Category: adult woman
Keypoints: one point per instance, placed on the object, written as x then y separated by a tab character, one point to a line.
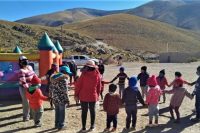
25	75
87	90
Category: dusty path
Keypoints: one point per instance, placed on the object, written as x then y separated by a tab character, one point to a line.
11	117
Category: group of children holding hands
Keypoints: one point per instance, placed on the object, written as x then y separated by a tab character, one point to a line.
151	86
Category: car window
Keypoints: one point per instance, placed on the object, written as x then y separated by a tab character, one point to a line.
82	57
76	57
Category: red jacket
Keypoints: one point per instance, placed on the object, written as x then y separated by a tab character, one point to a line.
153	95
162	82
88	86
112	103
36	99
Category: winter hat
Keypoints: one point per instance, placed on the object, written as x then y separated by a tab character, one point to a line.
90	63
65	69
152	81
162	71
35	80
121	68
133	81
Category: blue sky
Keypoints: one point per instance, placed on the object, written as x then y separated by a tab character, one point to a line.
12	10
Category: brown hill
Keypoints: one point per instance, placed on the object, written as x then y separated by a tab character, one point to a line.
63	17
132	32
27	36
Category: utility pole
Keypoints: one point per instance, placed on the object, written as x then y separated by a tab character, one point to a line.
167	47
61	34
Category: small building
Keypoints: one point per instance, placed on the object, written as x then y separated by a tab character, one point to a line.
178	57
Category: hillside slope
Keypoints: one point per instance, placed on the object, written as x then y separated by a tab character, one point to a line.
63	17
180	13
132	32
27	36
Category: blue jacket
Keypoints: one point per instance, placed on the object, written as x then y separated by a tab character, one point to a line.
197	89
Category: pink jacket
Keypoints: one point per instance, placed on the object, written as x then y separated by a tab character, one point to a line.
153	95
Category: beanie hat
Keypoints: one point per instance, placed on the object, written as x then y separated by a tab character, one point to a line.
65	69
35	80
163	71
152	81
133	81
121	68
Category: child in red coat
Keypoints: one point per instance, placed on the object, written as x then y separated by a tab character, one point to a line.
111	105
36	98
152	100
162	82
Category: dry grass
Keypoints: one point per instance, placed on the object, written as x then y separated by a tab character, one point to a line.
131	32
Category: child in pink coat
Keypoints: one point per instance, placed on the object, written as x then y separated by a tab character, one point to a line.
152	100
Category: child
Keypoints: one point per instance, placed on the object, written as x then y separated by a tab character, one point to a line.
122	77
196	93
152	100
143	77
102	87
176	100
162	82
178	75
59	93
74	84
53	70
130	98
36	98
111	105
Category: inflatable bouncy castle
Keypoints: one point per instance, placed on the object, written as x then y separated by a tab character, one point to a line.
48	53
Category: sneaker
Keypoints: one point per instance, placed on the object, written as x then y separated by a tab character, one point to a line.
62	128
38	125
156	125
126	129
25	119
150	125
107	130
133	128
114	129
91	129
83	130
195	120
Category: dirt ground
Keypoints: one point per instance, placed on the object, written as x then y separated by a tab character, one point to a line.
11	112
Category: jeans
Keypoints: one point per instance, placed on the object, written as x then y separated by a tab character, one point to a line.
153	111
59	115
25	103
121	90
111	118
144	91
197	106
131	112
84	107
37	115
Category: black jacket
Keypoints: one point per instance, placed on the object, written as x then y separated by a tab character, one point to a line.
131	97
